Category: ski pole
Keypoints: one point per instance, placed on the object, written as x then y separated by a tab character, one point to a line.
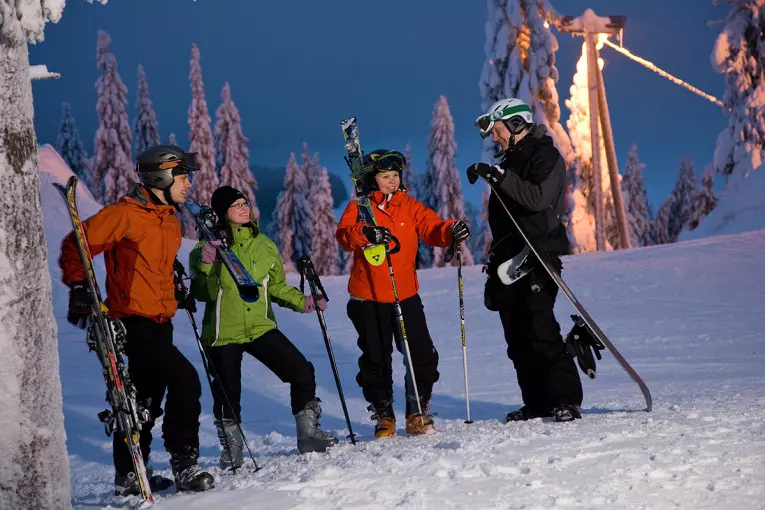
308	272
180	273
402	330
462	326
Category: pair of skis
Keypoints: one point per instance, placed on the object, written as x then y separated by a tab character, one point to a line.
586	334
106	336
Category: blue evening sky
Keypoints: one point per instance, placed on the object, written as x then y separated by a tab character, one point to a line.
296	68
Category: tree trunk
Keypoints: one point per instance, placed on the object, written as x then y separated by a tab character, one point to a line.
35	467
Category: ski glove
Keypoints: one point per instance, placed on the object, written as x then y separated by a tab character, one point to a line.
493	174
460	231
209	252
311	305
186	302
377	235
79	305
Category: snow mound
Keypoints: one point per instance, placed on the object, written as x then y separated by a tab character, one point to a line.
741	208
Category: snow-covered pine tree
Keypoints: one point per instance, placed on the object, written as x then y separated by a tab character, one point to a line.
302	218
35	469
520	62
543	76
205	181
503	70
473	243
442	166
426	190
114	167
661	224
582	225
234	157
636	200
738	54
683	194
612	227
145	129
271	230
171	139
408	175
286	207
69	145
705	200
324	249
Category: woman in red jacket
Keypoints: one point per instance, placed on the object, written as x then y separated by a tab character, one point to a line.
371	303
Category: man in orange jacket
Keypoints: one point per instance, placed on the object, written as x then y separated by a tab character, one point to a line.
140	236
371	304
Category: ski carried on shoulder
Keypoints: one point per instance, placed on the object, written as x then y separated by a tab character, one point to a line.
586	333
373	253
208	230
106	336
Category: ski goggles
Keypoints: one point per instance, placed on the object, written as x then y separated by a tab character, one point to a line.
485	123
392	160
188	163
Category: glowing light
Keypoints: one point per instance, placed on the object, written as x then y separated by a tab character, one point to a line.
661	72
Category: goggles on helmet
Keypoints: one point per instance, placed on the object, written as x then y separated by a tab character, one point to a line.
387	161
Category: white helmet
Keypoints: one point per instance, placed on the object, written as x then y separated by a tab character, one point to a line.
515	113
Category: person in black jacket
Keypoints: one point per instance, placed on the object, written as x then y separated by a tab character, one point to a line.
530	178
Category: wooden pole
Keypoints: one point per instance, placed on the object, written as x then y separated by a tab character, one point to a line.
613	167
597	191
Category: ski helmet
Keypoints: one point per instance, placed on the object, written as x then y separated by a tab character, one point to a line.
515	113
157	165
382	160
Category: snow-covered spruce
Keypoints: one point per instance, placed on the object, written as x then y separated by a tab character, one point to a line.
35	467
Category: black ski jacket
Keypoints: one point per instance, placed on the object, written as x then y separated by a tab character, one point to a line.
533	189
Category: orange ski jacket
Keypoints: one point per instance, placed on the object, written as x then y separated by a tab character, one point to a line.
140	240
407	219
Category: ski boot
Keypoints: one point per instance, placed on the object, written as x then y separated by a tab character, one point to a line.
419	423
188	475
310	437
567	412
386	420
127	485
527	413
233	445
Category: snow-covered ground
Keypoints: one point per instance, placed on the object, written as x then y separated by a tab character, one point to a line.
740	208
688	316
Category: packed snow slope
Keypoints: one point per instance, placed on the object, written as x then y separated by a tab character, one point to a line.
740	208
688	316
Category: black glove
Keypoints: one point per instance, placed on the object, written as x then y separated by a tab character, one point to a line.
460	231
186	302
491	173
79	305
377	235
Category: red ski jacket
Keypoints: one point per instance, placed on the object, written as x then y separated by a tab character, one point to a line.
407	219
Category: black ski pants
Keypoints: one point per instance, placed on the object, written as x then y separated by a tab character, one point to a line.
157	367
546	372
377	326
278	354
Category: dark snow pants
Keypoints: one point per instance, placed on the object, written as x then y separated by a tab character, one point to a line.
377	325
155	367
278	354
547	374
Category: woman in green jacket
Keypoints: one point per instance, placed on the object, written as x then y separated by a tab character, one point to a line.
232	326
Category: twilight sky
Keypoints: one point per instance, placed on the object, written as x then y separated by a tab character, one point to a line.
297	68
